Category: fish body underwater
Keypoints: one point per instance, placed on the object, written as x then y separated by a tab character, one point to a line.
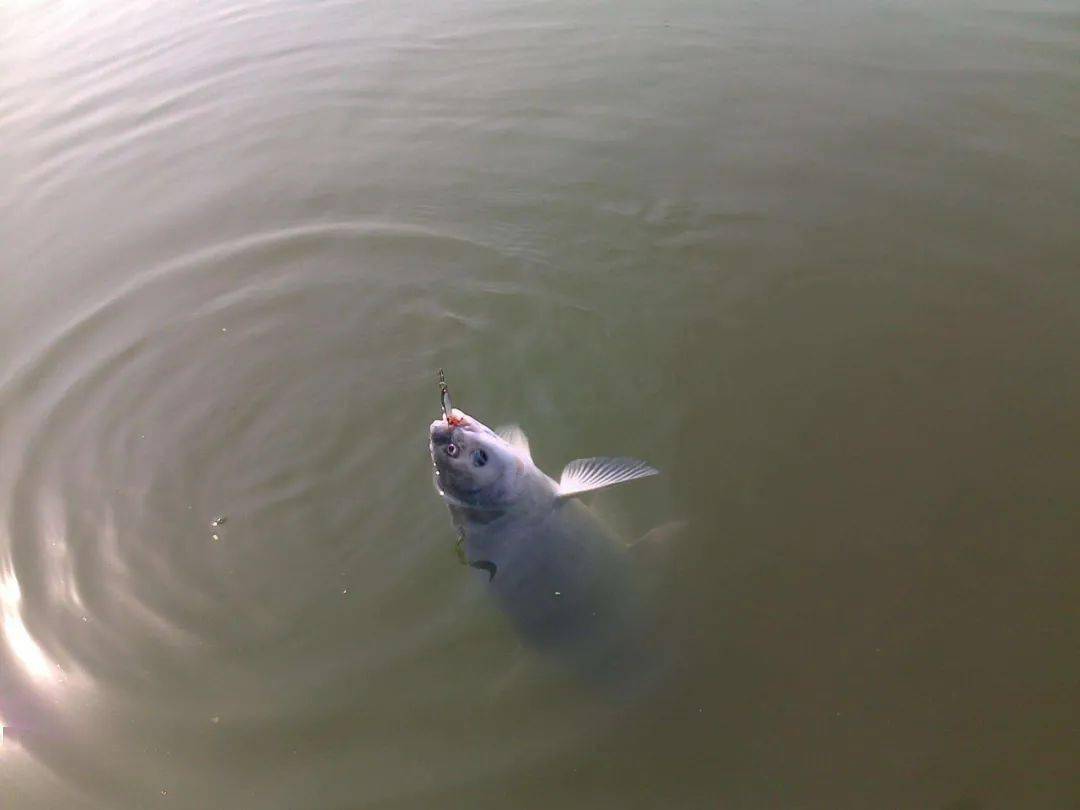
567	584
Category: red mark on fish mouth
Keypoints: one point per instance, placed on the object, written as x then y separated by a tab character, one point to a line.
454	421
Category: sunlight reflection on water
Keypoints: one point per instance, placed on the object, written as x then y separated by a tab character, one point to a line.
26	651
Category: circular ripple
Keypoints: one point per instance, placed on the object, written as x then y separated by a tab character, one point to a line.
278	382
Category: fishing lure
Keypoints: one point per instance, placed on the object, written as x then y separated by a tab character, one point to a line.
444	401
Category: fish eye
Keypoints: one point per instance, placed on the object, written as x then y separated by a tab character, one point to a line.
452	450
479	458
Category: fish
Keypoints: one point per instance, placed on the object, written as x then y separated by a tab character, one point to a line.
562	577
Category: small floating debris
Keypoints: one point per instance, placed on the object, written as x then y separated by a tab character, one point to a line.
214	537
218	521
215	719
345	592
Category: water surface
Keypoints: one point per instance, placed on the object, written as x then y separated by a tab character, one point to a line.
819	265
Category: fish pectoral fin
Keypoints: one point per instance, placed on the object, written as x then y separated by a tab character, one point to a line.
660	535
588	474
486	565
656	545
514	436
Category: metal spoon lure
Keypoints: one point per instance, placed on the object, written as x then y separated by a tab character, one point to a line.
444	398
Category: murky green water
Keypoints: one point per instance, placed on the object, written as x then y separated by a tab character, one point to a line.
818	264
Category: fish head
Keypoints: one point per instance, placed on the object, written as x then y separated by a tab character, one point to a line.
474	466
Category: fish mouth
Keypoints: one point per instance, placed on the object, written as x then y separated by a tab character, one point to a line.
443	431
459	429
442	435
440	432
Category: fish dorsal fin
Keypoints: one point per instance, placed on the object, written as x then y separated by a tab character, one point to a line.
587	474
516	438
